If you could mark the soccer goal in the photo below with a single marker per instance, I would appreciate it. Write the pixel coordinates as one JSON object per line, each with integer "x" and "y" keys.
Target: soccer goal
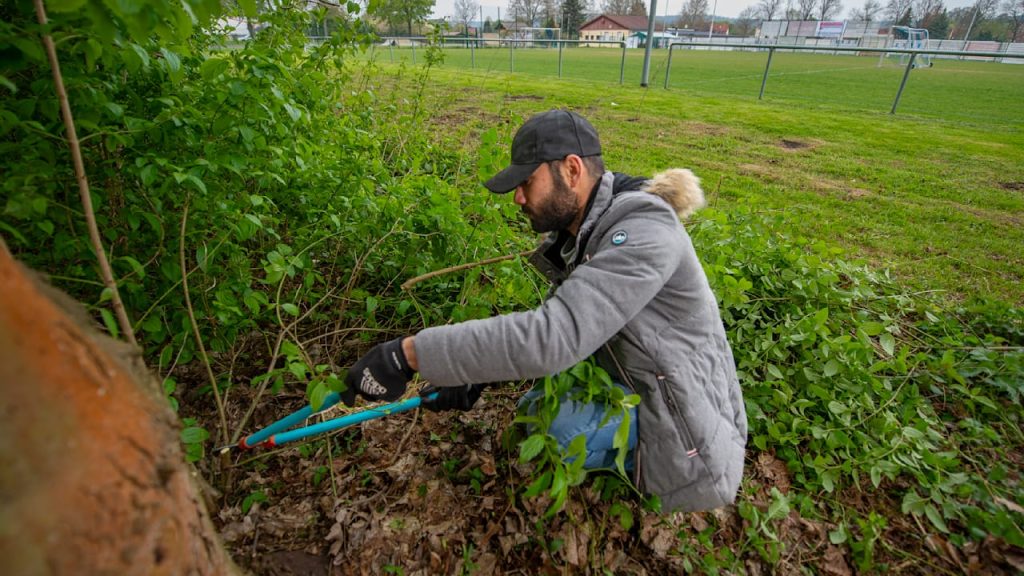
{"x": 534, "y": 37}
{"x": 909, "y": 38}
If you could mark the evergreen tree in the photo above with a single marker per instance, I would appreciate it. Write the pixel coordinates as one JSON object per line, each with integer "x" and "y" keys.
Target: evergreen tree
{"x": 638, "y": 8}
{"x": 573, "y": 17}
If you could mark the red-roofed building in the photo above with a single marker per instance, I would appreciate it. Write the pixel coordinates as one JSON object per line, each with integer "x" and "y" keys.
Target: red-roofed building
{"x": 614, "y": 27}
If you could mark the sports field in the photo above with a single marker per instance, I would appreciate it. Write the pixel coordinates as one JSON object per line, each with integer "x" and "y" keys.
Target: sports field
{"x": 934, "y": 193}
{"x": 964, "y": 90}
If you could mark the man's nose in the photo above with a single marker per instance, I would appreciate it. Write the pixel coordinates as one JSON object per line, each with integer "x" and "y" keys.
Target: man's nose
{"x": 520, "y": 196}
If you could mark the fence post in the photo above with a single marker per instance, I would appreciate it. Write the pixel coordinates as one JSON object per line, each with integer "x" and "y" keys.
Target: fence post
{"x": 511, "y": 56}
{"x": 622, "y": 66}
{"x": 391, "y": 51}
{"x": 764, "y": 80}
{"x": 903, "y": 83}
{"x": 413, "y": 44}
{"x": 472, "y": 55}
{"x": 668, "y": 67}
{"x": 560, "y": 44}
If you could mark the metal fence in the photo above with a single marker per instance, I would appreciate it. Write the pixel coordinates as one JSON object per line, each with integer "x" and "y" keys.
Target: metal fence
{"x": 513, "y": 44}
{"x": 824, "y": 49}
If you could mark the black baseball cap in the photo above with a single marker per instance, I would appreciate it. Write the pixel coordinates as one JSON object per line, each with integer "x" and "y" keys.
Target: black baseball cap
{"x": 547, "y": 136}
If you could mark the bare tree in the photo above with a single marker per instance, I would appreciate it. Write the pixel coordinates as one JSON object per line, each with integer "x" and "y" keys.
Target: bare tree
{"x": 466, "y": 10}
{"x": 525, "y": 11}
{"x": 768, "y": 9}
{"x": 870, "y": 11}
{"x": 895, "y": 9}
{"x": 692, "y": 14}
{"x": 746, "y": 22}
{"x": 828, "y": 9}
{"x": 805, "y": 9}
{"x": 1014, "y": 9}
{"x": 616, "y": 6}
{"x": 551, "y": 14}
{"x": 792, "y": 12}
{"x": 926, "y": 10}
{"x": 637, "y": 8}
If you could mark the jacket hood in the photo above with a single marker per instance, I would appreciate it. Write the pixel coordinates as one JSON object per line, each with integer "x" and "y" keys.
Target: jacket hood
{"x": 680, "y": 188}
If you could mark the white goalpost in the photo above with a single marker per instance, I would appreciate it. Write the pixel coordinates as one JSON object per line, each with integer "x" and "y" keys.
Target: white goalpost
{"x": 536, "y": 34}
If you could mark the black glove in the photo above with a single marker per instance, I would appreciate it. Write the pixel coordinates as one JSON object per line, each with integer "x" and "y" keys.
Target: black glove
{"x": 379, "y": 375}
{"x": 452, "y": 397}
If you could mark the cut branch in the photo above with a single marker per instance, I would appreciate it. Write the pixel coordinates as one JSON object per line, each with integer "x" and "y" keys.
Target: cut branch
{"x": 83, "y": 181}
{"x": 413, "y": 281}
{"x": 195, "y": 330}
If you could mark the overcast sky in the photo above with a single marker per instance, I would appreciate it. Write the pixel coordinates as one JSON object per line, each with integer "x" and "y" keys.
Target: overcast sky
{"x": 730, "y": 8}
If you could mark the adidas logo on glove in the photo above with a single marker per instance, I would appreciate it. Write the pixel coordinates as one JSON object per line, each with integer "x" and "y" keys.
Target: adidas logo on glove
{"x": 370, "y": 386}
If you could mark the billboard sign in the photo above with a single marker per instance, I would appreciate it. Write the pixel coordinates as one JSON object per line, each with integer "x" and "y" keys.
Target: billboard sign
{"x": 830, "y": 29}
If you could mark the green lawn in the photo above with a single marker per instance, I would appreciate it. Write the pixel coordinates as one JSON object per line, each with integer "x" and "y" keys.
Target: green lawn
{"x": 936, "y": 198}
{"x": 963, "y": 90}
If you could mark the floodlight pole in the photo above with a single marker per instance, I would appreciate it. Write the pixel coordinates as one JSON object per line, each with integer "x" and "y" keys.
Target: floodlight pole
{"x": 650, "y": 42}
{"x": 711, "y": 28}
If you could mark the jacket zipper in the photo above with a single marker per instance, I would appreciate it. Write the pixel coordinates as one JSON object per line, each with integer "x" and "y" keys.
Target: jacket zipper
{"x": 628, "y": 382}
{"x": 682, "y": 427}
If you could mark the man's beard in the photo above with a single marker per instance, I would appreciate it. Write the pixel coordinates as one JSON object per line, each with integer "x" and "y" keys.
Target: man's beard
{"x": 560, "y": 210}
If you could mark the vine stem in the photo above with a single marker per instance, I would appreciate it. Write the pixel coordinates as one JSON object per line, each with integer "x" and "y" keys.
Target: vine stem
{"x": 195, "y": 330}
{"x": 413, "y": 281}
{"x": 83, "y": 181}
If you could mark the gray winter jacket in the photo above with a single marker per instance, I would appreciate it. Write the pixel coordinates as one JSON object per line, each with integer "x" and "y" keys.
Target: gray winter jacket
{"x": 638, "y": 300}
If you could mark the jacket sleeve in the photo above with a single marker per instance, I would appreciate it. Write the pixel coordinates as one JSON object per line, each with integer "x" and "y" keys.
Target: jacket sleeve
{"x": 591, "y": 305}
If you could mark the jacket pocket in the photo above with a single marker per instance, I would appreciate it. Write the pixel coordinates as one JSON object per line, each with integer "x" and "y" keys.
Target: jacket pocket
{"x": 679, "y": 421}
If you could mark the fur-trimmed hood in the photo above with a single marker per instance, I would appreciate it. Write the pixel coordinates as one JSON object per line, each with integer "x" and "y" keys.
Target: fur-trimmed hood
{"x": 680, "y": 188}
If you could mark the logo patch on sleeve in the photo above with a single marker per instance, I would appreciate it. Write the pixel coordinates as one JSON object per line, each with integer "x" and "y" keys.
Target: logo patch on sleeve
{"x": 619, "y": 237}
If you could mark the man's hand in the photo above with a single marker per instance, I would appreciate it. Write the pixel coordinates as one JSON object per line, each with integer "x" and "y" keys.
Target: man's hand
{"x": 452, "y": 397}
{"x": 379, "y": 375}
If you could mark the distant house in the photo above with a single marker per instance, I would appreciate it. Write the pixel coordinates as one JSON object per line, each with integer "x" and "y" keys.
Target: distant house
{"x": 614, "y": 27}
{"x": 661, "y": 39}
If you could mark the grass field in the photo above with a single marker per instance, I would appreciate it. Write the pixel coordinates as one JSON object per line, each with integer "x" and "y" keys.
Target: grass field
{"x": 936, "y": 198}
{"x": 964, "y": 90}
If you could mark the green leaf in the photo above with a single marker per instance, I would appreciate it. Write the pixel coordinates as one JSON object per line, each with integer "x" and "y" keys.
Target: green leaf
{"x": 109, "y": 322}
{"x": 775, "y": 372}
{"x": 624, "y": 514}
{"x": 290, "y": 308}
{"x": 936, "y": 518}
{"x": 136, "y": 266}
{"x": 912, "y": 503}
{"x": 838, "y": 536}
{"x": 248, "y": 8}
{"x": 831, "y": 368}
{"x": 876, "y": 476}
{"x": 213, "y": 67}
{"x": 530, "y": 447}
{"x": 558, "y": 483}
{"x": 888, "y": 343}
{"x": 194, "y": 435}
{"x": 538, "y": 485}
{"x": 257, "y": 496}
{"x": 317, "y": 396}
{"x": 8, "y": 84}
{"x": 64, "y": 5}
{"x": 872, "y": 328}
{"x": 174, "y": 70}
{"x": 298, "y": 369}
{"x": 289, "y": 349}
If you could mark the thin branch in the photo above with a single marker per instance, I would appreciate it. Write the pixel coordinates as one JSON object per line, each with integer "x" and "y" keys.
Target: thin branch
{"x": 195, "y": 330}
{"x": 83, "y": 181}
{"x": 413, "y": 281}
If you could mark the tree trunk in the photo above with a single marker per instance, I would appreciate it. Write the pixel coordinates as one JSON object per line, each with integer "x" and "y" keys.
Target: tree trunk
{"x": 92, "y": 475}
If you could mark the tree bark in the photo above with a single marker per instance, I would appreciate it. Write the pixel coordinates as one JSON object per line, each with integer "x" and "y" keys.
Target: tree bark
{"x": 92, "y": 475}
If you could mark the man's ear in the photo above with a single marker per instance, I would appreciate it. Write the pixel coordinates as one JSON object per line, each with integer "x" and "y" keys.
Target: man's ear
{"x": 576, "y": 169}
